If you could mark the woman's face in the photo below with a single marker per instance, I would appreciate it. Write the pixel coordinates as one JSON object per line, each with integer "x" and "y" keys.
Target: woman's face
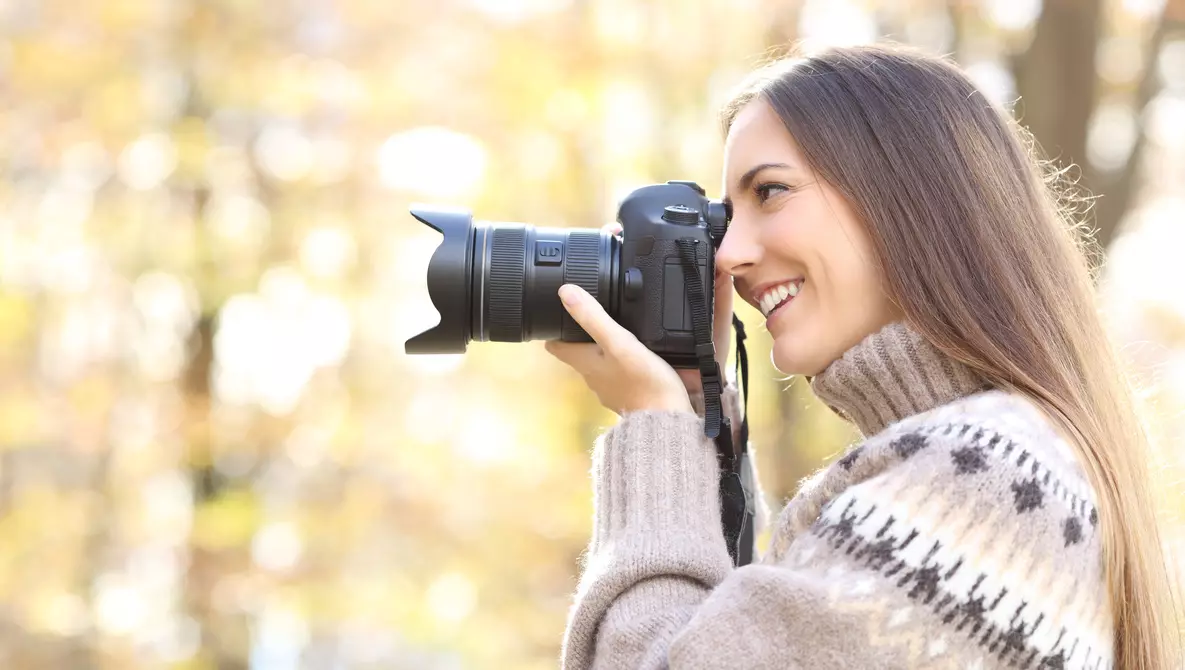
{"x": 795, "y": 248}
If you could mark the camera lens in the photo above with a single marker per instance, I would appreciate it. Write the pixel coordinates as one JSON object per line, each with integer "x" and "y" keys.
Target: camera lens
{"x": 498, "y": 281}
{"x": 517, "y": 271}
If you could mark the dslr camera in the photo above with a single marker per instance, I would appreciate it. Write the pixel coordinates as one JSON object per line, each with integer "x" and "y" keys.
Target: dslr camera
{"x": 499, "y": 282}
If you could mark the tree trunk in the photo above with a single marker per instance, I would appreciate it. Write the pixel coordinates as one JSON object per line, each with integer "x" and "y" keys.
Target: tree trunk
{"x": 1058, "y": 86}
{"x": 1056, "y": 78}
{"x": 204, "y": 566}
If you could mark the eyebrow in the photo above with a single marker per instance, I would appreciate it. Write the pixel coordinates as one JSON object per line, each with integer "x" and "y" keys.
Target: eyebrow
{"x": 747, "y": 178}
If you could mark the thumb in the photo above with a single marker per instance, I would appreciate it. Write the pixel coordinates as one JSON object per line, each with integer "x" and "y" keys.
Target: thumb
{"x": 591, "y": 316}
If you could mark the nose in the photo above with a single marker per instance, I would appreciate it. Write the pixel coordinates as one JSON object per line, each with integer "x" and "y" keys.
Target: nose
{"x": 739, "y": 251}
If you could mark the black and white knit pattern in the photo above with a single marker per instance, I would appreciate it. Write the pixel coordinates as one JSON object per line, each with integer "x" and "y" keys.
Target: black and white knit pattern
{"x": 980, "y": 517}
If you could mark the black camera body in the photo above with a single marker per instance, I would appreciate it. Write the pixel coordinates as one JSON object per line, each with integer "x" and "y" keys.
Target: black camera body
{"x": 499, "y": 282}
{"x": 655, "y": 304}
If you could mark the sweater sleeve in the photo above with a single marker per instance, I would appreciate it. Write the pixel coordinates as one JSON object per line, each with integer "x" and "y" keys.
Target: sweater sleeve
{"x": 924, "y": 550}
{"x": 657, "y": 548}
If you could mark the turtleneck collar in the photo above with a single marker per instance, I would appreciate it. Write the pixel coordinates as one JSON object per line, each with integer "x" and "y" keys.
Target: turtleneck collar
{"x": 892, "y": 374}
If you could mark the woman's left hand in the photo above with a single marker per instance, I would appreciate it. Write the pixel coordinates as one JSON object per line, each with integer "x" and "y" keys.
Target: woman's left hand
{"x": 625, "y": 375}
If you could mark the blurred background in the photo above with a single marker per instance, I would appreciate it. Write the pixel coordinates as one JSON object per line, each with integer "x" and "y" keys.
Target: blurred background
{"x": 213, "y": 451}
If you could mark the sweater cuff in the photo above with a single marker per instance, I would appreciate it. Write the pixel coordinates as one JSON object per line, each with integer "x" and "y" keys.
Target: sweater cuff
{"x": 655, "y": 477}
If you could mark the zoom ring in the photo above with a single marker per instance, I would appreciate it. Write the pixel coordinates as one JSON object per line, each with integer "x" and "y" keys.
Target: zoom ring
{"x": 581, "y": 267}
{"x": 507, "y": 269}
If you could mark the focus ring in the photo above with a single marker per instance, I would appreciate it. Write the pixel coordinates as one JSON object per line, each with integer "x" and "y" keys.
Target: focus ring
{"x": 507, "y": 270}
{"x": 581, "y": 267}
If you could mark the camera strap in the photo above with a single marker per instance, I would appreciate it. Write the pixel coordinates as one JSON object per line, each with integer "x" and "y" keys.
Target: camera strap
{"x": 736, "y": 474}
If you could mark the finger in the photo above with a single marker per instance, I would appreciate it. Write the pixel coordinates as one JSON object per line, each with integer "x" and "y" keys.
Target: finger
{"x": 612, "y": 228}
{"x": 724, "y": 293}
{"x": 722, "y": 314}
{"x": 579, "y": 356}
{"x": 691, "y": 378}
{"x": 590, "y": 316}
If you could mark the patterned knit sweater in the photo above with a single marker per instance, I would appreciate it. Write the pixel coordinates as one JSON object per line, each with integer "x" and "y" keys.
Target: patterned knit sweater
{"x": 960, "y": 534}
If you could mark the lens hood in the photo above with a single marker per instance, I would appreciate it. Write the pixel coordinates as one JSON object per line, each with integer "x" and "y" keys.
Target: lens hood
{"x": 449, "y": 284}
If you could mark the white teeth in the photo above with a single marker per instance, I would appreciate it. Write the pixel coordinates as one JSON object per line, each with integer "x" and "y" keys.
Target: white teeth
{"x": 773, "y": 296}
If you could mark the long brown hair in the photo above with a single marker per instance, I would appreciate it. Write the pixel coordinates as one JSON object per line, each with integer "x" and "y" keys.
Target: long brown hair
{"x": 983, "y": 257}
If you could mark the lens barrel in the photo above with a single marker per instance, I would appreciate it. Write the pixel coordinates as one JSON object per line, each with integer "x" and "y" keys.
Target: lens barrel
{"x": 499, "y": 281}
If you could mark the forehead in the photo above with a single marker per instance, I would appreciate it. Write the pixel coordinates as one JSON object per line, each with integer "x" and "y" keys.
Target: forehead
{"x": 757, "y": 136}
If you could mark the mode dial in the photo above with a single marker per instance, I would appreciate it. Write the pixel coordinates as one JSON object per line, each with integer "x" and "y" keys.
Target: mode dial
{"x": 681, "y": 214}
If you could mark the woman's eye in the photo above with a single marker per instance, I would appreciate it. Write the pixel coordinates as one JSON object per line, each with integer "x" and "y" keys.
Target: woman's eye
{"x": 766, "y": 191}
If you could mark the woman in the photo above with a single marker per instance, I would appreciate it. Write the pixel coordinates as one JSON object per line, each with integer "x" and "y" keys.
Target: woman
{"x": 889, "y": 222}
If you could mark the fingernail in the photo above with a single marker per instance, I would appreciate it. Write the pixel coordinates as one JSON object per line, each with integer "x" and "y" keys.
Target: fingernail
{"x": 569, "y": 295}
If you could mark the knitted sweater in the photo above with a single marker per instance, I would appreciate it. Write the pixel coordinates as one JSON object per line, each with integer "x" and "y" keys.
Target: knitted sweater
{"x": 961, "y": 533}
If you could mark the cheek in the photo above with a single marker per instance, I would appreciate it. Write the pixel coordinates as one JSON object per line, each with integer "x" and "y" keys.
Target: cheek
{"x": 805, "y": 229}
{"x": 848, "y": 273}
{"x": 853, "y": 303}
{"x": 842, "y": 261}
{"x": 790, "y": 235}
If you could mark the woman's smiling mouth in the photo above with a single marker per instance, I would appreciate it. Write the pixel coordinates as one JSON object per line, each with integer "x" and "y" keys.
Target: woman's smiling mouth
{"x": 777, "y": 295}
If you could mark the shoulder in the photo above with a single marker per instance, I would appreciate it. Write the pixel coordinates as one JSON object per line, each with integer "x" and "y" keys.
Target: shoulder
{"x": 992, "y": 455}
{"x": 1009, "y": 415}
{"x": 998, "y": 436}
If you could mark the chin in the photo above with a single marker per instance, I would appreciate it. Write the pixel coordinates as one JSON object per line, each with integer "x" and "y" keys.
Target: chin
{"x": 789, "y": 359}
